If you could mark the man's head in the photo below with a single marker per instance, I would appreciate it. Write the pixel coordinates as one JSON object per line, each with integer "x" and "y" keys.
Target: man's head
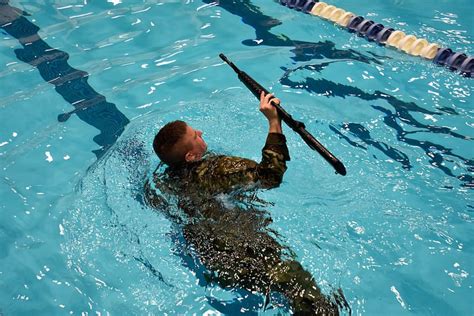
{"x": 177, "y": 143}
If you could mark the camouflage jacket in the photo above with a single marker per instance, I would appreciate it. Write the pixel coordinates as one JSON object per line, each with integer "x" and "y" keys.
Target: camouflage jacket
{"x": 196, "y": 184}
{"x": 221, "y": 173}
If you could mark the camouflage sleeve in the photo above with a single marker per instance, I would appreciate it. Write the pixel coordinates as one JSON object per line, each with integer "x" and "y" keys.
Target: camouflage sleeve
{"x": 273, "y": 165}
{"x": 225, "y": 173}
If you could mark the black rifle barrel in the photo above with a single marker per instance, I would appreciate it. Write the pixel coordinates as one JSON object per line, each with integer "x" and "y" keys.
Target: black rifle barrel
{"x": 295, "y": 125}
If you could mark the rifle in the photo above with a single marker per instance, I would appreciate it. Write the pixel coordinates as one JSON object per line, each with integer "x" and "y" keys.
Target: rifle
{"x": 295, "y": 125}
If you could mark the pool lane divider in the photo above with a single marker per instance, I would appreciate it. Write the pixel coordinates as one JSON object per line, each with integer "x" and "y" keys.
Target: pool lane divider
{"x": 386, "y": 36}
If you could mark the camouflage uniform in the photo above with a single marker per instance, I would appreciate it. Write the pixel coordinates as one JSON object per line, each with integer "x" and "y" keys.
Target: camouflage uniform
{"x": 231, "y": 236}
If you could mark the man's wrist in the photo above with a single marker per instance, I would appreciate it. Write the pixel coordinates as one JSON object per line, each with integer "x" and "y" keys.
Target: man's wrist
{"x": 275, "y": 126}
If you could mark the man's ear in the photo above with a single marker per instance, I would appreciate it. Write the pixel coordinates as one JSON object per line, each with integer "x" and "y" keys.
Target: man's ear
{"x": 189, "y": 157}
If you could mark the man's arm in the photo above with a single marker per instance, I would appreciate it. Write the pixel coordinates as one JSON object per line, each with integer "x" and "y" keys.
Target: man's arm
{"x": 273, "y": 165}
{"x": 275, "y": 152}
{"x": 270, "y": 112}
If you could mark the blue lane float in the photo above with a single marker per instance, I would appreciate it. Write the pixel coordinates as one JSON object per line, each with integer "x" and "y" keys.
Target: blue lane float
{"x": 308, "y": 6}
{"x": 292, "y": 3}
{"x": 382, "y": 36}
{"x": 373, "y": 30}
{"x": 354, "y": 22}
{"x": 467, "y": 67}
{"x": 364, "y": 26}
{"x": 299, "y": 5}
{"x": 377, "y": 32}
{"x": 442, "y": 56}
{"x": 455, "y": 61}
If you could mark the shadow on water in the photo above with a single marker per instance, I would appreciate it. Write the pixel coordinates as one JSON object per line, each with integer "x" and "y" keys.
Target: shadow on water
{"x": 364, "y": 135}
{"x": 302, "y": 50}
{"x": 90, "y": 106}
{"x": 401, "y": 115}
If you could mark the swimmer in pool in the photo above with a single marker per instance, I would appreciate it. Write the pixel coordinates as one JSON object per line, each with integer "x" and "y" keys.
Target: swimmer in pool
{"x": 228, "y": 233}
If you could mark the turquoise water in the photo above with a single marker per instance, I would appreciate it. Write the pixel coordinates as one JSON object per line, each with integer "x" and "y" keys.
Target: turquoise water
{"x": 395, "y": 234}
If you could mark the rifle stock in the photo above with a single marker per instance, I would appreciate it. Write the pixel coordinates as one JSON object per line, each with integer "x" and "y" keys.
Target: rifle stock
{"x": 295, "y": 125}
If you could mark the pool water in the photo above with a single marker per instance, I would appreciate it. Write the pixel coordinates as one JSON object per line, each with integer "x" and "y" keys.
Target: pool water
{"x": 395, "y": 234}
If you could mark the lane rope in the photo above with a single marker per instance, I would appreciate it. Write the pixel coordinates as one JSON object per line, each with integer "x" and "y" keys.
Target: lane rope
{"x": 386, "y": 36}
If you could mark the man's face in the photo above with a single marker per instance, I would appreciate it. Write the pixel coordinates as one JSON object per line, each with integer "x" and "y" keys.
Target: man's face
{"x": 195, "y": 145}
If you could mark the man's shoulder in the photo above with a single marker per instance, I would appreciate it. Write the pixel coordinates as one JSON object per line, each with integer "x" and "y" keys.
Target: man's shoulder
{"x": 222, "y": 165}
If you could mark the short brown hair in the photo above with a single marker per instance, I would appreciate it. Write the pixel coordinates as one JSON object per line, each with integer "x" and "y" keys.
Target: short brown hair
{"x": 165, "y": 142}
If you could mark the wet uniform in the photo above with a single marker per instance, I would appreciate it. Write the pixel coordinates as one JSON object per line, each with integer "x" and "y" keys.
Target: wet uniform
{"x": 230, "y": 234}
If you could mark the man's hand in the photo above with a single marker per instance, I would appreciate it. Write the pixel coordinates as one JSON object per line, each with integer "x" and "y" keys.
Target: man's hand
{"x": 270, "y": 112}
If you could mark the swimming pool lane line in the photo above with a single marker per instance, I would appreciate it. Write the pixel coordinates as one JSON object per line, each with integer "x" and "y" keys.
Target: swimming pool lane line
{"x": 386, "y": 36}
{"x": 90, "y": 106}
